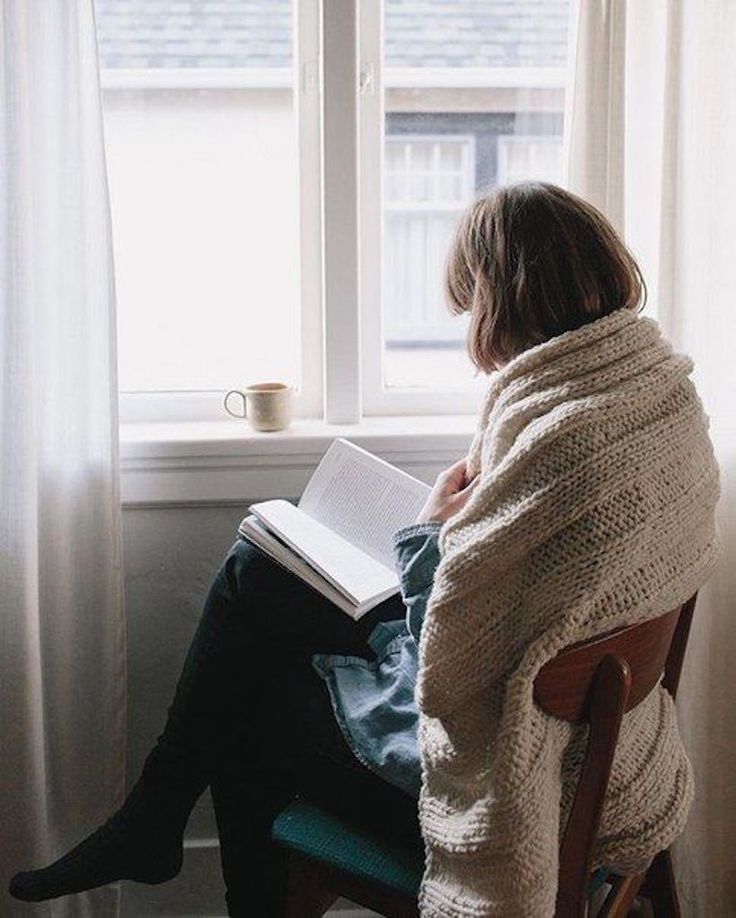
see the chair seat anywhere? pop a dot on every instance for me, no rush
(325, 838)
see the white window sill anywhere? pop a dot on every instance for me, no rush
(226, 462)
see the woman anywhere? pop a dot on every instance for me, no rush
(530, 543)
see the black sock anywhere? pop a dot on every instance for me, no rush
(142, 841)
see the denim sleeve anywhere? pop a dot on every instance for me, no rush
(416, 555)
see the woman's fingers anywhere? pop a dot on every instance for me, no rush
(471, 484)
(450, 492)
(463, 496)
(454, 477)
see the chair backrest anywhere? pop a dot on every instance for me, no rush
(597, 682)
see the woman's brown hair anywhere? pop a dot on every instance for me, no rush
(531, 260)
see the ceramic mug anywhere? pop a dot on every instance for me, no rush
(267, 406)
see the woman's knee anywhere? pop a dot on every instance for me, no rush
(244, 574)
(247, 567)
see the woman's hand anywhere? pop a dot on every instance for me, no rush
(449, 494)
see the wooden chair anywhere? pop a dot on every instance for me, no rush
(597, 682)
(594, 682)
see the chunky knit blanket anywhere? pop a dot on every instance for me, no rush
(594, 509)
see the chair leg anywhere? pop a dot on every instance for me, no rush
(306, 894)
(619, 900)
(659, 887)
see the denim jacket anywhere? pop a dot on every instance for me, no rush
(373, 700)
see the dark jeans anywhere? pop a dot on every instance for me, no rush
(255, 713)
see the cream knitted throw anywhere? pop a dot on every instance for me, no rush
(594, 509)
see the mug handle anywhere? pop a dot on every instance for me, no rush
(234, 413)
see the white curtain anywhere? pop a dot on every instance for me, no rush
(651, 122)
(62, 679)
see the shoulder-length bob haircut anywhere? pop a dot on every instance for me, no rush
(530, 261)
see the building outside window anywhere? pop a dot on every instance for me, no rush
(533, 156)
(428, 181)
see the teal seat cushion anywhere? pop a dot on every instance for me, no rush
(323, 837)
(327, 839)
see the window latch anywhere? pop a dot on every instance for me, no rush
(366, 83)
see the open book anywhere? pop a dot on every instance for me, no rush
(338, 539)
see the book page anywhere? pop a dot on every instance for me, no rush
(359, 576)
(363, 498)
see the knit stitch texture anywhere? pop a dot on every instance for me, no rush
(595, 509)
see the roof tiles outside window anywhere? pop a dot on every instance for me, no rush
(174, 34)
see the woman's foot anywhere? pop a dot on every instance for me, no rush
(139, 842)
(143, 840)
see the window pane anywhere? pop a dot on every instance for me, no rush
(474, 96)
(201, 140)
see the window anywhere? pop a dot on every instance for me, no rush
(529, 158)
(285, 179)
(464, 96)
(428, 181)
(203, 154)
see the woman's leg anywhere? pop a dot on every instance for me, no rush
(299, 749)
(255, 611)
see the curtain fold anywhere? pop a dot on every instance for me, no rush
(62, 630)
(594, 104)
(675, 197)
